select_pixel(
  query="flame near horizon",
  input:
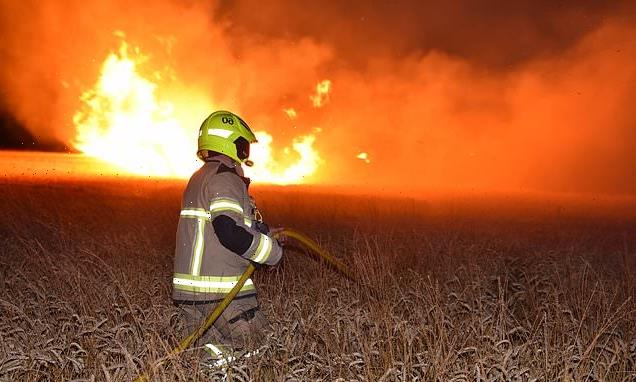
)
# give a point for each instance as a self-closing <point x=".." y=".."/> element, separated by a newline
<point x="326" y="91"/>
<point x="123" y="122"/>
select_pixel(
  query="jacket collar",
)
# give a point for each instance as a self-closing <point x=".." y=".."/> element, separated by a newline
<point x="227" y="161"/>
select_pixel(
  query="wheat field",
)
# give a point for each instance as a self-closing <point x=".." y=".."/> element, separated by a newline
<point x="457" y="288"/>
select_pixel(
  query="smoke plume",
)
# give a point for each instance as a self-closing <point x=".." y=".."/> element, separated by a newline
<point x="525" y="96"/>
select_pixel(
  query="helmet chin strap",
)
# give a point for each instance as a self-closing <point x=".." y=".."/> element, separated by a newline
<point x="248" y="163"/>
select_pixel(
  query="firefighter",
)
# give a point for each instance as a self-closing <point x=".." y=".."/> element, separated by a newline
<point x="219" y="233"/>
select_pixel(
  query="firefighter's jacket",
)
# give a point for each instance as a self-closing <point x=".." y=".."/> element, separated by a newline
<point x="205" y="269"/>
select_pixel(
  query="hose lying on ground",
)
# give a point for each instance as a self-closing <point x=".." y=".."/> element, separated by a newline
<point x="216" y="313"/>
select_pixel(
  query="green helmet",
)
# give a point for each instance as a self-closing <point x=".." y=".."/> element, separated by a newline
<point x="225" y="133"/>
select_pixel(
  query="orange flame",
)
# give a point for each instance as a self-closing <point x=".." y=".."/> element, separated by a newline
<point x="291" y="113"/>
<point x="123" y="122"/>
<point x="265" y="169"/>
<point x="322" y="94"/>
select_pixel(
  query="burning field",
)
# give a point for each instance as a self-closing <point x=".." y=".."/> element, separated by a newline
<point x="442" y="98"/>
<point x="472" y="163"/>
<point x="473" y="287"/>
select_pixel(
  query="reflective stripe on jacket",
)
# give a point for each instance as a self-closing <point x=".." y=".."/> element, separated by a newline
<point x="203" y="268"/>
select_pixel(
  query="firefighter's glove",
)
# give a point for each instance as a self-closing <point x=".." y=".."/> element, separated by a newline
<point x="262" y="227"/>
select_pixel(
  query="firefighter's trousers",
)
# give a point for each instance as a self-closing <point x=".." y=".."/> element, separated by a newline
<point x="242" y="326"/>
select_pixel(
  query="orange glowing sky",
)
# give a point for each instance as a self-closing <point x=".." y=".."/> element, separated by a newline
<point x="528" y="95"/>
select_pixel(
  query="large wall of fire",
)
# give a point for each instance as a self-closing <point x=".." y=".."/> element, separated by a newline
<point x="458" y="96"/>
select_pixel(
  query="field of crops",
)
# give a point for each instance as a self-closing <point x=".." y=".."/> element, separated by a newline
<point x="505" y="288"/>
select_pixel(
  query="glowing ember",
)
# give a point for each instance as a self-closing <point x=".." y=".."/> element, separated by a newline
<point x="364" y="157"/>
<point x="322" y="94"/>
<point x="291" y="113"/>
<point x="123" y="122"/>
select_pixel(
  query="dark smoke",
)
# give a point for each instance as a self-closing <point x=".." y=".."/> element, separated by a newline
<point x="493" y="34"/>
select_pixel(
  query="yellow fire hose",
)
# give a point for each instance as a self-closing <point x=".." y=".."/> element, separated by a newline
<point x="216" y="313"/>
